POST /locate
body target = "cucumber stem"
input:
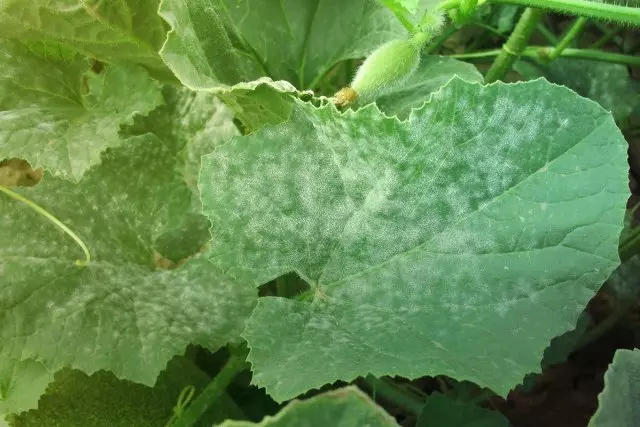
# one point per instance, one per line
(596, 10)
(515, 45)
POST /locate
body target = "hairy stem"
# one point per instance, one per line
(193, 412)
(54, 220)
(541, 52)
(596, 10)
(606, 11)
(388, 391)
(576, 28)
(514, 46)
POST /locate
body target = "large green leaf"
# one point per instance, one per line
(300, 41)
(490, 216)
(619, 403)
(119, 313)
(433, 73)
(610, 85)
(102, 400)
(57, 114)
(442, 411)
(112, 31)
(345, 407)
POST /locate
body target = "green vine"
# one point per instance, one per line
(54, 220)
(542, 52)
(605, 11)
(574, 31)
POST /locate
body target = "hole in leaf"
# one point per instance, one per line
(18, 173)
(289, 285)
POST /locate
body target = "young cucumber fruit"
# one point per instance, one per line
(387, 66)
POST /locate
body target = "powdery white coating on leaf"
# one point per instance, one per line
(119, 313)
(491, 216)
(48, 118)
(345, 407)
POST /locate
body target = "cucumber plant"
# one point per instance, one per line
(324, 213)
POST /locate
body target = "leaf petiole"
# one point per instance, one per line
(574, 31)
(54, 220)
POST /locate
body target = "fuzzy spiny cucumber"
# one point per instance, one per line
(388, 66)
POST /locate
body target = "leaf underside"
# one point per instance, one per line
(442, 411)
(345, 407)
(619, 402)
